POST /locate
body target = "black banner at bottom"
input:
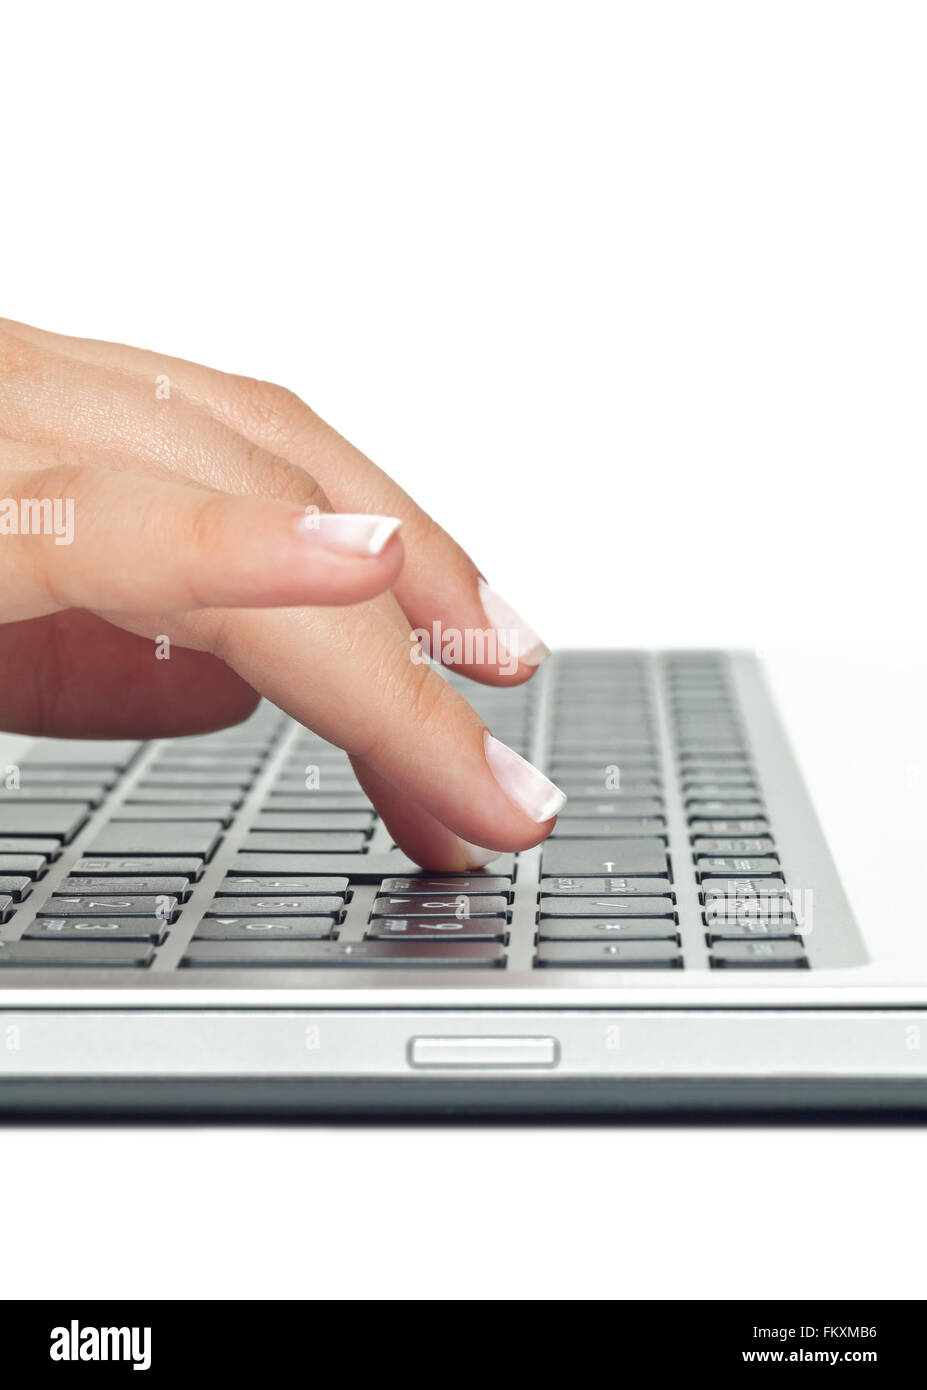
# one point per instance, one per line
(51, 1343)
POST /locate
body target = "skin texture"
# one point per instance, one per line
(187, 515)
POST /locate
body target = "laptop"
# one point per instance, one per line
(221, 924)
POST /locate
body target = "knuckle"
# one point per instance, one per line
(64, 475)
(17, 357)
(427, 697)
(290, 483)
(275, 413)
(207, 532)
(209, 522)
(425, 700)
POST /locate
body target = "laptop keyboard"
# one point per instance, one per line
(255, 849)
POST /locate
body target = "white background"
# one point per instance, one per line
(632, 297)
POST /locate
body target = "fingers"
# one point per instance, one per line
(90, 538)
(74, 675)
(403, 723)
(421, 836)
(113, 417)
(460, 619)
(440, 780)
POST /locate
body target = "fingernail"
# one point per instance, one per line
(515, 637)
(350, 534)
(522, 783)
(477, 857)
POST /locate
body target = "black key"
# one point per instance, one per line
(206, 762)
(297, 885)
(362, 868)
(632, 828)
(343, 788)
(31, 864)
(716, 725)
(741, 887)
(599, 955)
(636, 760)
(701, 809)
(79, 752)
(187, 867)
(275, 906)
(749, 910)
(607, 907)
(720, 784)
(67, 776)
(608, 769)
(620, 887)
(608, 929)
(453, 928)
(16, 886)
(92, 795)
(264, 928)
(313, 820)
(307, 751)
(193, 810)
(304, 842)
(224, 797)
(715, 771)
(704, 791)
(582, 794)
(303, 759)
(252, 738)
(630, 787)
(734, 828)
(148, 838)
(153, 779)
(115, 905)
(459, 905)
(177, 887)
(603, 739)
(749, 955)
(88, 930)
(608, 857)
(584, 762)
(332, 782)
(12, 844)
(61, 819)
(618, 807)
(255, 749)
(317, 801)
(712, 844)
(452, 883)
(345, 955)
(6, 906)
(584, 784)
(707, 866)
(698, 752)
(34, 955)
(751, 930)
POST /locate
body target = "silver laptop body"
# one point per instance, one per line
(660, 953)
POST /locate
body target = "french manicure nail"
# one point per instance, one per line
(477, 857)
(516, 638)
(522, 783)
(350, 534)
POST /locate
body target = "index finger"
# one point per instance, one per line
(396, 717)
(455, 612)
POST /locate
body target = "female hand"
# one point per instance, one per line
(223, 513)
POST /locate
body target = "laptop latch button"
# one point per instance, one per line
(484, 1053)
